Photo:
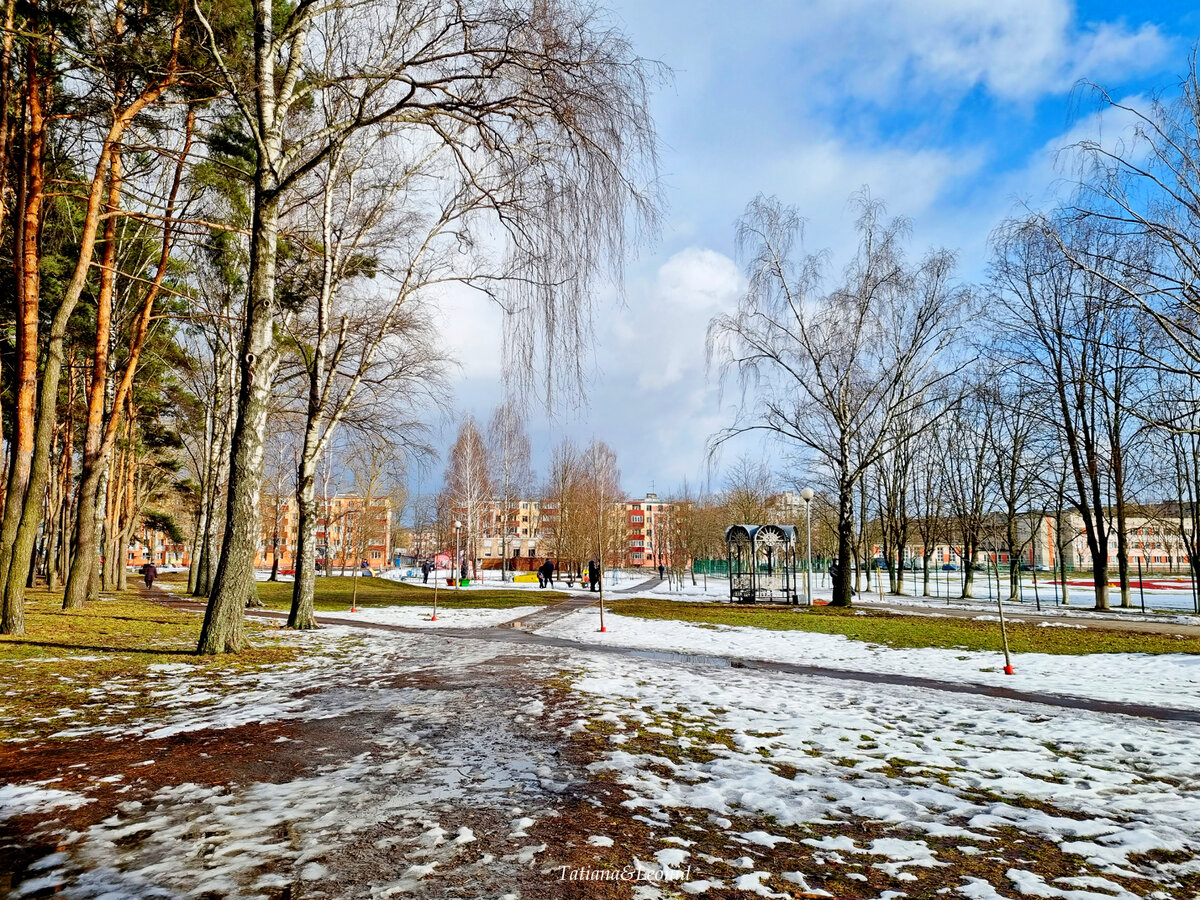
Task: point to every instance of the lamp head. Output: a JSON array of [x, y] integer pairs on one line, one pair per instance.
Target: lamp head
[[457, 525], [806, 495]]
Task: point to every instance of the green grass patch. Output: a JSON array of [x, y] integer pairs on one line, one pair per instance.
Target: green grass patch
[[94, 661], [332, 594], [904, 631]]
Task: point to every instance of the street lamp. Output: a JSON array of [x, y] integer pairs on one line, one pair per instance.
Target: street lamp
[[806, 495], [457, 555]]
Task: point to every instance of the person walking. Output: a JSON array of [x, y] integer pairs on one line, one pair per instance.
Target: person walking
[[661, 570], [593, 574], [150, 571], [425, 572]]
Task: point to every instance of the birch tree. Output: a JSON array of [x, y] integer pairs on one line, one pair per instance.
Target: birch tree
[[468, 482], [542, 105], [512, 475], [828, 369]]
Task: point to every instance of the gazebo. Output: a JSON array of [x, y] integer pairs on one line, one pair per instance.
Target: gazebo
[[762, 564]]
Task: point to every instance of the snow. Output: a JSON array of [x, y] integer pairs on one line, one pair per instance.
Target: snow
[[795, 751], [1165, 679], [419, 616], [23, 799], [1115, 803]]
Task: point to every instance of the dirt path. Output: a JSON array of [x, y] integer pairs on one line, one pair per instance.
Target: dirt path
[[388, 767], [522, 632], [455, 763]]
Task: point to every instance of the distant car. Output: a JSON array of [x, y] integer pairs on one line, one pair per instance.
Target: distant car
[[949, 567], [1026, 567], [1041, 568]]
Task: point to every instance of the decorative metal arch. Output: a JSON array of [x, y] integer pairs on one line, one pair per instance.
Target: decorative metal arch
[[762, 563]]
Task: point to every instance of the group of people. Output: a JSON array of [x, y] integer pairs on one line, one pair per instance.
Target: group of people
[[591, 576], [426, 568]]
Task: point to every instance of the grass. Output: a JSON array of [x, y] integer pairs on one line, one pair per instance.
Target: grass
[[72, 659], [903, 631], [333, 595]]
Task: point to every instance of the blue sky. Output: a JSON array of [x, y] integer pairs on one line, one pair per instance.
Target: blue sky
[[952, 111]]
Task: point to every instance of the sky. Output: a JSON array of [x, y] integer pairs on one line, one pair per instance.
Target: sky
[[953, 112]]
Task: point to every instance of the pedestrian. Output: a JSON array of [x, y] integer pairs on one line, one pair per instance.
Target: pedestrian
[[462, 570], [541, 574], [151, 572], [425, 572], [593, 575], [549, 567], [661, 570]]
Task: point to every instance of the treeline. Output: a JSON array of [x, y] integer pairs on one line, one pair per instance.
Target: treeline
[[1065, 384], [230, 218]]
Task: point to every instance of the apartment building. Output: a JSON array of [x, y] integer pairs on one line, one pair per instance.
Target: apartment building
[[152, 545], [1154, 539], [347, 533], [648, 542]]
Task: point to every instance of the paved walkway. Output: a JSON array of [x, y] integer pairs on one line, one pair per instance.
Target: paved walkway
[[642, 586], [512, 632], [552, 612]]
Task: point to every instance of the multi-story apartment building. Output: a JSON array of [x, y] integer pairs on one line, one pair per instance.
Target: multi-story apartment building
[[151, 545], [515, 530], [648, 532], [1155, 539], [528, 529], [347, 534]]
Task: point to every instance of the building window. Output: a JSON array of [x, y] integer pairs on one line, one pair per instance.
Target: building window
[[531, 551]]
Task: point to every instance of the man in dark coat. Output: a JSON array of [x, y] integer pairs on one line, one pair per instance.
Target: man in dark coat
[[151, 572], [425, 572], [593, 574]]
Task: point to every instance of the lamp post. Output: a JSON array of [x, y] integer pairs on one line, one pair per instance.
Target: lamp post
[[806, 495], [457, 555]]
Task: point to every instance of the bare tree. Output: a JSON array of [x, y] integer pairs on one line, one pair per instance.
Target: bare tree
[[510, 453], [541, 108], [376, 468], [1019, 457], [1064, 311], [970, 479], [563, 515], [829, 371], [603, 504], [749, 487], [468, 483]]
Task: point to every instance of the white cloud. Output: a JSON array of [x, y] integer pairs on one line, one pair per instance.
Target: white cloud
[[660, 337], [1017, 50]]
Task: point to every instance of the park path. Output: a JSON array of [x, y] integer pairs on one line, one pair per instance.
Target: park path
[[641, 586], [513, 632]]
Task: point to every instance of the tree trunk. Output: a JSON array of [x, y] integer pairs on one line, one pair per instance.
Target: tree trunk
[[79, 579], [841, 588], [223, 621], [968, 563], [27, 261], [304, 588]]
